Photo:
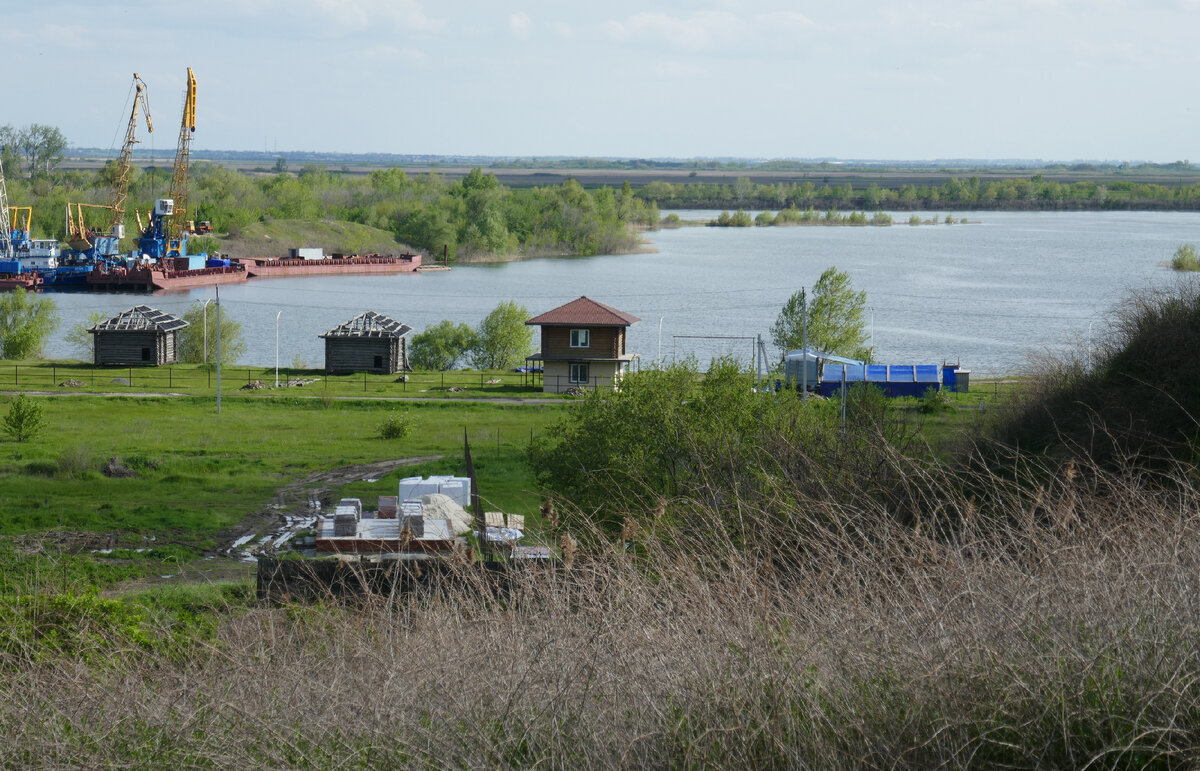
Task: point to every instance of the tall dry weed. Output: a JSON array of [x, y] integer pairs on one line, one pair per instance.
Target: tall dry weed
[[1052, 626]]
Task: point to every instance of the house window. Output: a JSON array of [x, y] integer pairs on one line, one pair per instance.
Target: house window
[[579, 338], [579, 372], [378, 362], [146, 354]]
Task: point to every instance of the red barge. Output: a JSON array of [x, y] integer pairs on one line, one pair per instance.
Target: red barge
[[151, 277], [369, 263], [28, 281]]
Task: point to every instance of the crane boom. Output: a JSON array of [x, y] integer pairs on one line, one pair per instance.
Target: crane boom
[[6, 246], [179, 180], [120, 187]]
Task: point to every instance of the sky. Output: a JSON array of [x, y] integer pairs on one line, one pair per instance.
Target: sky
[[987, 79]]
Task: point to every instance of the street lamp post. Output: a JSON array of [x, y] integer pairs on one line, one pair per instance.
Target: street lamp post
[[206, 302], [277, 348]]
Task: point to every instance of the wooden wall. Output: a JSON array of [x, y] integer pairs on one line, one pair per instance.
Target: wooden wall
[[604, 343], [357, 354], [126, 347]]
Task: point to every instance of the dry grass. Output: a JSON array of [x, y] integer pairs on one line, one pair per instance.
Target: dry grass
[[1052, 626]]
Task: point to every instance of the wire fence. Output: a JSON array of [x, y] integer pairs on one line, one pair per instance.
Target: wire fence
[[191, 379]]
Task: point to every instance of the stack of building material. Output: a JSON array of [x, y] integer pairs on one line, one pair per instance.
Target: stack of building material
[[388, 506], [415, 524], [344, 525], [457, 489]]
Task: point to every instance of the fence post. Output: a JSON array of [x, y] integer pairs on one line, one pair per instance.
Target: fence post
[[53, 374], [209, 371], [364, 381], [443, 379], [131, 376], [170, 379], [16, 375]]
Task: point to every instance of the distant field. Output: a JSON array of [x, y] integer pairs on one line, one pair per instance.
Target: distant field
[[858, 177]]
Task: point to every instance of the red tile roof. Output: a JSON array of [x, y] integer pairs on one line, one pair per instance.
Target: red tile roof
[[585, 312]]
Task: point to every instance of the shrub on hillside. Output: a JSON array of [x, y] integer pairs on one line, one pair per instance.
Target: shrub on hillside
[[1135, 394]]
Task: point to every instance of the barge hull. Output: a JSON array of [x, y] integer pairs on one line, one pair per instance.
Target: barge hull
[[148, 279], [408, 263]]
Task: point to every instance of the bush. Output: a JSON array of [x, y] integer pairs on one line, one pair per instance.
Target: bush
[[24, 419], [1186, 258], [935, 400], [397, 426], [1133, 397]]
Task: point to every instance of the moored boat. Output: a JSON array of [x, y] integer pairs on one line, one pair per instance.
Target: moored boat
[[151, 277], [356, 264], [29, 281]]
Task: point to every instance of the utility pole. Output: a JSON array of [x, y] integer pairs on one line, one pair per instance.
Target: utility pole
[[218, 350], [277, 349], [804, 339]]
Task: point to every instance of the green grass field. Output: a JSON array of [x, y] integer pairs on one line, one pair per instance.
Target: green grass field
[[199, 472]]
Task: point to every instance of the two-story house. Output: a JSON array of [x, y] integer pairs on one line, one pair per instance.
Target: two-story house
[[583, 345]]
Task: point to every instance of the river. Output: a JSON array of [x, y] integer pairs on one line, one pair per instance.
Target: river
[[991, 294]]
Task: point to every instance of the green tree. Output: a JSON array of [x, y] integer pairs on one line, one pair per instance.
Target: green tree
[[81, 340], [441, 346], [192, 341], [26, 320], [835, 318], [24, 419], [502, 339], [39, 146]]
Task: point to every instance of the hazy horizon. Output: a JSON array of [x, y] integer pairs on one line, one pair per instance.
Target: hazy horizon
[[1013, 79]]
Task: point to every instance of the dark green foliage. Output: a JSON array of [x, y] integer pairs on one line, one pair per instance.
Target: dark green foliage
[[676, 434], [935, 400], [1014, 193], [24, 419], [1136, 396]]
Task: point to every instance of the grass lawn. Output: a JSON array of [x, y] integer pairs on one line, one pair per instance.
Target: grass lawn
[[199, 472]]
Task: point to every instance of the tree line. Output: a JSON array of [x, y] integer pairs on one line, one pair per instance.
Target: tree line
[[1017, 193], [475, 215]]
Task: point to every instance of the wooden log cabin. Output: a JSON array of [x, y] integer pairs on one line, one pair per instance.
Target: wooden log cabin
[[140, 335], [370, 342], [582, 345]]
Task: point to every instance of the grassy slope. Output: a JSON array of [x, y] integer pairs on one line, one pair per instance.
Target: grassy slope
[[272, 239]]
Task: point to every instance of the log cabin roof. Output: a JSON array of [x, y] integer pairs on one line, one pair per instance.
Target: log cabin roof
[[141, 318], [370, 324], [585, 312]]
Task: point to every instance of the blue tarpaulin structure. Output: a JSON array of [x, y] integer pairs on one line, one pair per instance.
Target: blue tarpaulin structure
[[892, 379]]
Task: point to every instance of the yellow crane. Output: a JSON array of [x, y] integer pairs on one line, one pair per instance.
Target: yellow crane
[[164, 235], [179, 179], [78, 235]]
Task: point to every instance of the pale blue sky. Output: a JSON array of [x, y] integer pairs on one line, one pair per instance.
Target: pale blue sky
[[1050, 79]]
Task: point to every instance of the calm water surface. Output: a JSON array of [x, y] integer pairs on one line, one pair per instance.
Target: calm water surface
[[989, 294]]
